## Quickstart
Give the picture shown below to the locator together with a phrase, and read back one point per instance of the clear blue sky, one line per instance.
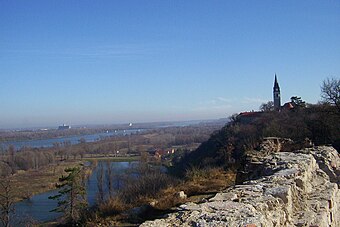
(93, 62)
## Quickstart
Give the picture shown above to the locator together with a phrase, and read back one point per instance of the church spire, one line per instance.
(276, 94)
(276, 84)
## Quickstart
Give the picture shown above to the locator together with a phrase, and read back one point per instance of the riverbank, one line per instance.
(112, 158)
(37, 207)
(25, 184)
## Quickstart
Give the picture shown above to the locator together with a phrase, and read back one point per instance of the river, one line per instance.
(38, 207)
(92, 137)
(72, 139)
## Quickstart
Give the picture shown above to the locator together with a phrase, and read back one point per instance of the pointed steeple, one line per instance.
(276, 84)
(276, 94)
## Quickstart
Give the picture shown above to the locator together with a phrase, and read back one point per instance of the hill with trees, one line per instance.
(319, 123)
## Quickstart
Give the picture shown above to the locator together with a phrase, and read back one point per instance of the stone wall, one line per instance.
(296, 189)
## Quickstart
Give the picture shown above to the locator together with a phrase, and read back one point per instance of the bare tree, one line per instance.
(233, 118)
(6, 201)
(330, 91)
(269, 106)
(100, 183)
(109, 176)
(11, 157)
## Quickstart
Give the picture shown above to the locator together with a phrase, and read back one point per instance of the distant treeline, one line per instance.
(46, 134)
(19, 135)
(26, 158)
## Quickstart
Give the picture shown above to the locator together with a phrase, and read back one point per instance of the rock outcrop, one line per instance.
(294, 189)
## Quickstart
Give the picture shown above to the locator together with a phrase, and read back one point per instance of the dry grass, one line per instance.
(160, 193)
(28, 183)
(151, 186)
(167, 199)
(147, 185)
(113, 206)
(207, 180)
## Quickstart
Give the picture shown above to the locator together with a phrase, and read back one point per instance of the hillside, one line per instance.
(297, 188)
(286, 176)
(317, 124)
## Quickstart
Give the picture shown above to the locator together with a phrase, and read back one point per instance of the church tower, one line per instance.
(276, 95)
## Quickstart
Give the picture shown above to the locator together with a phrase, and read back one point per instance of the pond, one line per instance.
(38, 207)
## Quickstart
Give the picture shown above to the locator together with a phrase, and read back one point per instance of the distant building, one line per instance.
(276, 95)
(277, 98)
(162, 153)
(288, 106)
(64, 127)
(249, 117)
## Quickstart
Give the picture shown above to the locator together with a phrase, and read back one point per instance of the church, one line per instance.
(247, 117)
(277, 98)
(276, 95)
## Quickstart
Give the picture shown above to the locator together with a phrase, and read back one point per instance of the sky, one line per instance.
(107, 62)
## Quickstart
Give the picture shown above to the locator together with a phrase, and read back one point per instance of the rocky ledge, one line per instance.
(297, 188)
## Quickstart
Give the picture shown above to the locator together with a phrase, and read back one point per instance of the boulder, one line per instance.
(181, 195)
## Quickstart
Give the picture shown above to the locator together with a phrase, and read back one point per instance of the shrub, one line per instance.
(113, 206)
(137, 190)
(207, 180)
(168, 198)
(146, 185)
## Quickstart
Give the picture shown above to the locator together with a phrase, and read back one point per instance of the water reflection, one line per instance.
(38, 207)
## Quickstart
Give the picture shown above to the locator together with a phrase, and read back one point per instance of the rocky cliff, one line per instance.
(297, 188)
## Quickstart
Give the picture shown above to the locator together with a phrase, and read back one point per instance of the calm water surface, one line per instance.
(39, 206)
(72, 139)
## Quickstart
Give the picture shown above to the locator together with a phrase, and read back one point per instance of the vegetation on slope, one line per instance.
(226, 148)
(320, 123)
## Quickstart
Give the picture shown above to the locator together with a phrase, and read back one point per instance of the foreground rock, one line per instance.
(296, 189)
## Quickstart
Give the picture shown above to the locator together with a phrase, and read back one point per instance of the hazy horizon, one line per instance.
(109, 124)
(111, 62)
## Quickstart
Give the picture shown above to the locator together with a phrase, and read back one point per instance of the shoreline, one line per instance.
(26, 184)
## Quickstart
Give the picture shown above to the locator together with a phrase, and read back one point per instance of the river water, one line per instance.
(72, 139)
(91, 137)
(38, 207)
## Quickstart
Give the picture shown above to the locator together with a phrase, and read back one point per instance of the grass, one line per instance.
(150, 186)
(28, 183)
(113, 206)
(207, 180)
(159, 194)
(168, 198)
(31, 182)
(155, 189)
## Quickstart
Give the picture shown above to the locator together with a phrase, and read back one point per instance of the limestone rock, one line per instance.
(299, 189)
(182, 195)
